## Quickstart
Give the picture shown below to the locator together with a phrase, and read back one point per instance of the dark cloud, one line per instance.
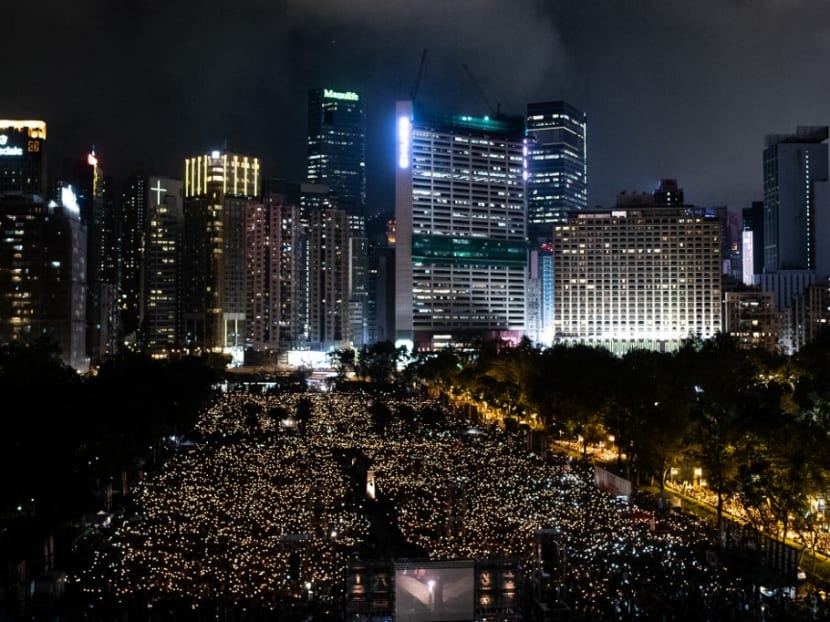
(685, 89)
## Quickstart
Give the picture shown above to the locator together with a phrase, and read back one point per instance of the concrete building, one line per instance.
(793, 164)
(460, 251)
(328, 279)
(160, 267)
(752, 318)
(274, 240)
(43, 274)
(218, 188)
(337, 158)
(637, 278)
(557, 165)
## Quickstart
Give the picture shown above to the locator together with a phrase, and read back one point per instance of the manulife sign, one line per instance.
(349, 96)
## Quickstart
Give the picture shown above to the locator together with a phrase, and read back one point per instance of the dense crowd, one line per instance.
(268, 504)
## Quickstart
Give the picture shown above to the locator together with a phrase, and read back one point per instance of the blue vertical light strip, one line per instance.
(404, 141)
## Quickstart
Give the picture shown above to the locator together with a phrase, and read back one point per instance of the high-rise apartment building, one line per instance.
(328, 279)
(637, 277)
(275, 267)
(218, 188)
(557, 165)
(23, 157)
(751, 318)
(160, 308)
(460, 251)
(793, 166)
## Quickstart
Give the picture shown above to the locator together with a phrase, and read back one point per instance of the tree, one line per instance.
(721, 376)
(379, 361)
(343, 361)
(439, 370)
(650, 415)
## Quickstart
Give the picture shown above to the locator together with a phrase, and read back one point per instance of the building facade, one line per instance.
(337, 158)
(275, 251)
(43, 273)
(93, 191)
(23, 157)
(131, 237)
(218, 188)
(557, 165)
(752, 318)
(637, 278)
(460, 250)
(337, 147)
(328, 279)
(793, 164)
(160, 283)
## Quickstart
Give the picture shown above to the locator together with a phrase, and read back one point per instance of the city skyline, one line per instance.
(685, 94)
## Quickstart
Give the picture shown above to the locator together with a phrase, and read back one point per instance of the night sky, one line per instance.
(672, 88)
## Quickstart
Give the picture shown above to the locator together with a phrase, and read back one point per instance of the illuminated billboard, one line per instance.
(432, 591)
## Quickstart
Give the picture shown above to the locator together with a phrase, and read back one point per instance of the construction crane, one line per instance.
(414, 92)
(495, 112)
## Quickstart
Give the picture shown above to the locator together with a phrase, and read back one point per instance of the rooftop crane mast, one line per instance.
(414, 92)
(495, 112)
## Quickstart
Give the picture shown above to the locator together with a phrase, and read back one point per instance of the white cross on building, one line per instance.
(158, 190)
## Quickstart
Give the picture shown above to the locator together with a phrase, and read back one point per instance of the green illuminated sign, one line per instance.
(345, 95)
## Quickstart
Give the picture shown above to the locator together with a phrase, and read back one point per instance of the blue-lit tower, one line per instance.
(557, 165)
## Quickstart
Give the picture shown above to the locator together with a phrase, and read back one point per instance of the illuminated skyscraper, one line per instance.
(460, 251)
(23, 157)
(43, 249)
(275, 271)
(336, 157)
(337, 147)
(752, 242)
(130, 235)
(161, 266)
(218, 187)
(43, 273)
(642, 277)
(328, 279)
(793, 166)
(97, 210)
(557, 165)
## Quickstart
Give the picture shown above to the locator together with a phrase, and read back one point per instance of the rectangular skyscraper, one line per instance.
(460, 252)
(557, 169)
(161, 266)
(336, 158)
(337, 147)
(274, 242)
(218, 188)
(793, 164)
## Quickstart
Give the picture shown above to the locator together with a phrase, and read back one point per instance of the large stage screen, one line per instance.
(434, 591)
